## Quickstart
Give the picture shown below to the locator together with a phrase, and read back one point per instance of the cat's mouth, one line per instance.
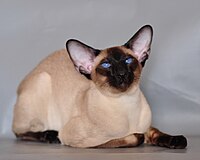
(121, 83)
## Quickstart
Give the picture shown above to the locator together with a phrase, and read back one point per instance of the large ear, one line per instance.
(81, 55)
(140, 43)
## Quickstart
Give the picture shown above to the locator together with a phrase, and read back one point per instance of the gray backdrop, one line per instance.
(30, 30)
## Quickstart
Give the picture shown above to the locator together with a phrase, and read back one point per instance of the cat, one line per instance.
(85, 97)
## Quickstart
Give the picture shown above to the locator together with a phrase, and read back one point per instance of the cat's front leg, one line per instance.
(158, 138)
(81, 132)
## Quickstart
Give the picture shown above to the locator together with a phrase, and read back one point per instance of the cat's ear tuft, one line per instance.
(81, 55)
(140, 43)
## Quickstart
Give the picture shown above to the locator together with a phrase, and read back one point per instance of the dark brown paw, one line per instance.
(178, 142)
(50, 136)
(173, 142)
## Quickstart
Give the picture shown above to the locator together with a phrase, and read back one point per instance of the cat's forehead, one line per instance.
(115, 53)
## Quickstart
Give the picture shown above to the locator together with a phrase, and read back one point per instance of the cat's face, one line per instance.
(114, 70)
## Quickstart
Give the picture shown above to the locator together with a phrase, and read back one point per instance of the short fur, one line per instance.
(107, 109)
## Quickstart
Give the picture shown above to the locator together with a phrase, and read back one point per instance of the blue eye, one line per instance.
(105, 65)
(129, 60)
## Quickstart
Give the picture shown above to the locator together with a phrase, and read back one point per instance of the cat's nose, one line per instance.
(121, 71)
(121, 78)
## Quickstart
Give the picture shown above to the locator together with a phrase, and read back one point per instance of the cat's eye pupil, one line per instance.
(106, 65)
(129, 60)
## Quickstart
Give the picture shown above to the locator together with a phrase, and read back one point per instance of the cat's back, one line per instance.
(59, 68)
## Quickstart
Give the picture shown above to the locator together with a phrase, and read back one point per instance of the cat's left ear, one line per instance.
(81, 55)
(140, 43)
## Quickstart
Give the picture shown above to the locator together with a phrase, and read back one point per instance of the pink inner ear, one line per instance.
(89, 68)
(141, 49)
(82, 56)
(142, 53)
(143, 56)
(141, 43)
(85, 67)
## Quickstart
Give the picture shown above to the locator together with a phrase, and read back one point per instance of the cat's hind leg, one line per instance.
(31, 108)
(131, 140)
(158, 138)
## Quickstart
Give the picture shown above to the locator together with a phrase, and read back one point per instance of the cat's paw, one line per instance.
(173, 142)
(50, 136)
(178, 142)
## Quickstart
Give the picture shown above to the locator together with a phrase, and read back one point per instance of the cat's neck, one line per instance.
(106, 93)
(125, 98)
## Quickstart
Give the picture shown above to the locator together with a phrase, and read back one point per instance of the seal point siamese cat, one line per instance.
(86, 97)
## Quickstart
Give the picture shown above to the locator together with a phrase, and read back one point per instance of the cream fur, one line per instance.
(54, 96)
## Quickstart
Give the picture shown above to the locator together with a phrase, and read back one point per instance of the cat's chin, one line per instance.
(113, 91)
(123, 87)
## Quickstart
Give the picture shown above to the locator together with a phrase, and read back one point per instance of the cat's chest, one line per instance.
(131, 109)
(123, 107)
(130, 113)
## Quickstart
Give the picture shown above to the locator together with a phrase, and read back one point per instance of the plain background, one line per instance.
(30, 30)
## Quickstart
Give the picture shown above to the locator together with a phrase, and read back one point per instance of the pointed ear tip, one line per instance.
(72, 42)
(148, 27)
(69, 41)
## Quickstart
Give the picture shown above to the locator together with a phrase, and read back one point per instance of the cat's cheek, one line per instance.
(98, 79)
(137, 74)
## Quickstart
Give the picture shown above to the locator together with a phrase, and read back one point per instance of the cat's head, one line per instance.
(117, 69)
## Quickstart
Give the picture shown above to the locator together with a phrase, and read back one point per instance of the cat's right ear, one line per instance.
(81, 55)
(140, 43)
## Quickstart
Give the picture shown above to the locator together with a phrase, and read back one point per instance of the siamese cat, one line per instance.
(85, 97)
